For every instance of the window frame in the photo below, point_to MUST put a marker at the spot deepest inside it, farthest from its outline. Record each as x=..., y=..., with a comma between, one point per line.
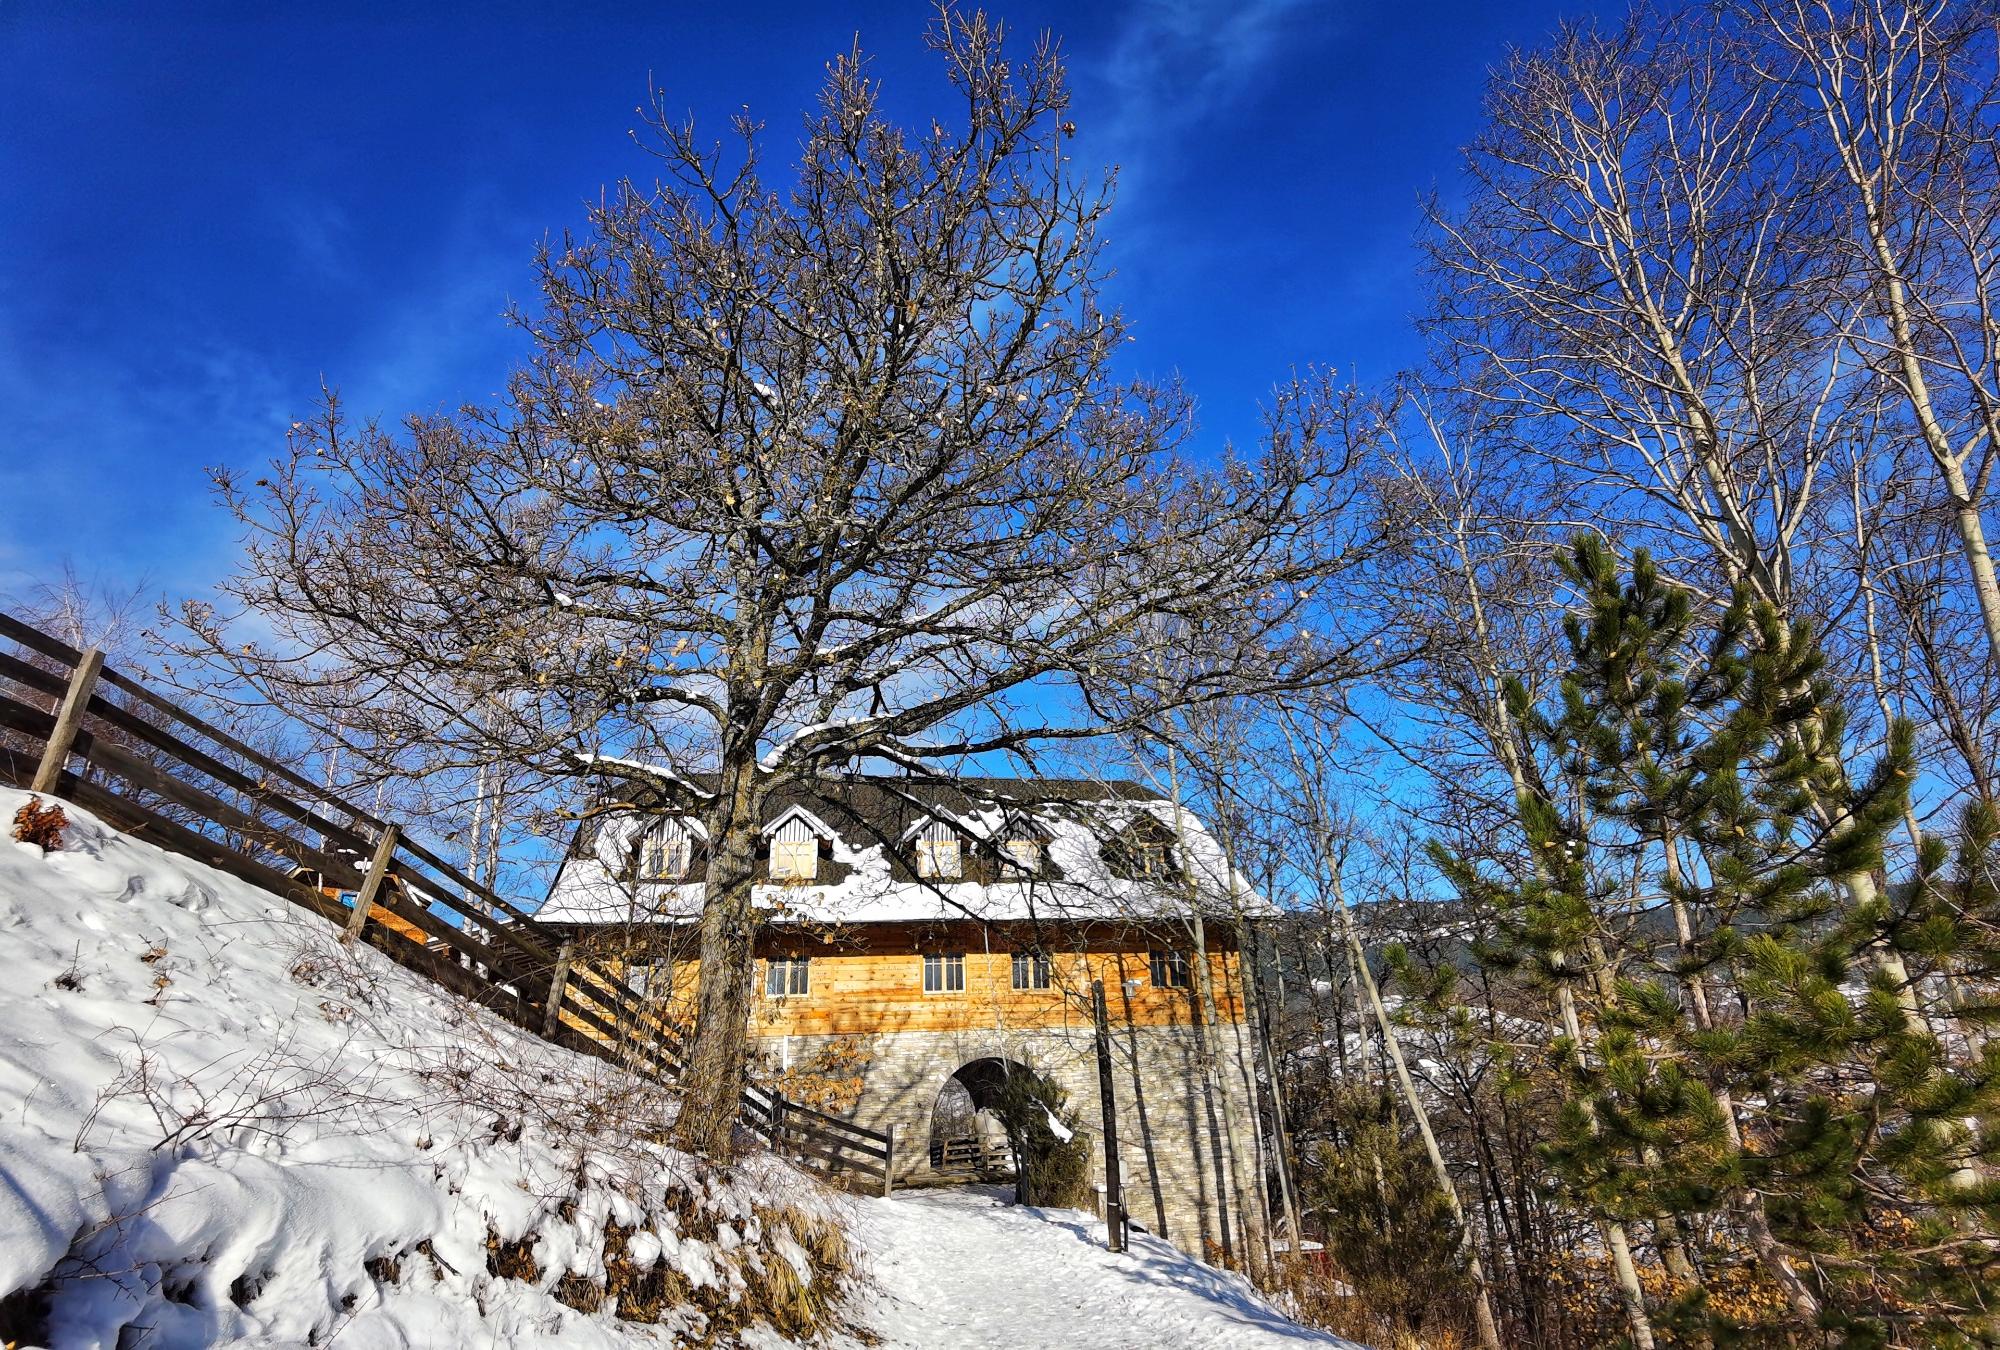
x=1150, y=859
x=948, y=966
x=794, y=973
x=1170, y=968
x=1032, y=971
x=657, y=838
x=1013, y=865
x=931, y=853
x=790, y=847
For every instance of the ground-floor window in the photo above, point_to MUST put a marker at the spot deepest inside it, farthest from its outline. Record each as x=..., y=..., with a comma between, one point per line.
x=787, y=976
x=1170, y=970
x=944, y=972
x=1031, y=970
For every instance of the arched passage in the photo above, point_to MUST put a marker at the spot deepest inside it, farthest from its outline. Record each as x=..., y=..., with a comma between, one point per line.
x=967, y=1135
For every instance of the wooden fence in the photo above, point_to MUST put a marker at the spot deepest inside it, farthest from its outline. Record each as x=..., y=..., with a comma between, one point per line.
x=155, y=770
x=970, y=1155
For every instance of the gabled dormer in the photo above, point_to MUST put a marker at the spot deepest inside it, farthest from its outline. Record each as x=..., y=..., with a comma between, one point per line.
x=797, y=842
x=1022, y=846
x=1144, y=850
x=669, y=849
x=936, y=848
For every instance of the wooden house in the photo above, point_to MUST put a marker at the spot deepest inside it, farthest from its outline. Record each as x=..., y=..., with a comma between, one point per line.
x=923, y=939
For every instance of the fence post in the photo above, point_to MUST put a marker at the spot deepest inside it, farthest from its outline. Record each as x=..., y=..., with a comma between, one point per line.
x=69, y=720
x=378, y=871
x=777, y=1123
x=889, y=1167
x=552, y=1015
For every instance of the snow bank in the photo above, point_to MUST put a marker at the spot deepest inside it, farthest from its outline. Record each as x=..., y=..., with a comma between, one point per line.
x=220, y=1124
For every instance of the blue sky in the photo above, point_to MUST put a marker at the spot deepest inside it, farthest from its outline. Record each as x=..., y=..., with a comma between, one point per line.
x=211, y=208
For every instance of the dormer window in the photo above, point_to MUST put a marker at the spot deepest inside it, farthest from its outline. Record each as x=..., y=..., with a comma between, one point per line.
x=938, y=852
x=1144, y=852
x=795, y=839
x=795, y=861
x=1021, y=857
x=1022, y=844
x=666, y=851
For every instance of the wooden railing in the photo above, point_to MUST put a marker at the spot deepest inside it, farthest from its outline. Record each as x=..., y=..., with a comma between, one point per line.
x=971, y=1154
x=154, y=769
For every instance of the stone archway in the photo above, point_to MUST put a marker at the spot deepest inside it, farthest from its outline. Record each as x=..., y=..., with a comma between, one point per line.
x=967, y=1138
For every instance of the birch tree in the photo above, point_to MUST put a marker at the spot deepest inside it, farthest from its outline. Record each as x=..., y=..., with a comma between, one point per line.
x=1896, y=105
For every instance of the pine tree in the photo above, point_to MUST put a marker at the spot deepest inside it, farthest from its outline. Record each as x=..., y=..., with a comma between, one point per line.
x=1766, y=1064
x=1387, y=1225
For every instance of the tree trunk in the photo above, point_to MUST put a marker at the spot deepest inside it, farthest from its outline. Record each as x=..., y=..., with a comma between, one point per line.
x=1482, y=1305
x=1748, y=1203
x=713, y=1080
x=1616, y=1241
x=1228, y=1181
x=1215, y=1089
x=1893, y=289
x=1257, y=1013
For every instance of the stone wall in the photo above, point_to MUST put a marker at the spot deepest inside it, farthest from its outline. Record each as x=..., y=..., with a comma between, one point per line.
x=1185, y=1166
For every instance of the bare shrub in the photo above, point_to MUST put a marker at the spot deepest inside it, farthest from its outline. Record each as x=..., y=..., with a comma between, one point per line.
x=830, y=1078
x=268, y=1093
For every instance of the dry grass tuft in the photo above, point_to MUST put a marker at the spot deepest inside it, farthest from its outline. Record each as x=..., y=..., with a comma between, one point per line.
x=802, y=1303
x=791, y=1272
x=512, y=1260
x=40, y=825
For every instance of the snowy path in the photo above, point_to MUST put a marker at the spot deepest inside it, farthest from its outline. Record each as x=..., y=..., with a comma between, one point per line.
x=964, y=1269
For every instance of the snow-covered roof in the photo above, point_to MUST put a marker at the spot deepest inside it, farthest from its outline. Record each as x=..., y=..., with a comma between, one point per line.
x=868, y=877
x=799, y=813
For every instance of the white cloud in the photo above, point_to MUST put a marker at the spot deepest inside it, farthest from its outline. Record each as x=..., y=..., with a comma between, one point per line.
x=1175, y=63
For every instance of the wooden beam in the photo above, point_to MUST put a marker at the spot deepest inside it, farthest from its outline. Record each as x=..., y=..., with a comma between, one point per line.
x=889, y=1167
x=378, y=869
x=68, y=721
x=552, y=1014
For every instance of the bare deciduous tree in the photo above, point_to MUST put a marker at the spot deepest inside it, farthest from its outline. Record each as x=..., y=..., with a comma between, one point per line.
x=801, y=471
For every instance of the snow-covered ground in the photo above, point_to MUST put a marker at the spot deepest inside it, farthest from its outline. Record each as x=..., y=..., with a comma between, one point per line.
x=218, y=1125
x=964, y=1268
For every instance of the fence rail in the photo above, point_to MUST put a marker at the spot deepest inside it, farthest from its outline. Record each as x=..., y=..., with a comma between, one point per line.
x=154, y=769
x=970, y=1155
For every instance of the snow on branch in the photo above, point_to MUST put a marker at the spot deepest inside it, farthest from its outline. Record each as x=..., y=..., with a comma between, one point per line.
x=655, y=775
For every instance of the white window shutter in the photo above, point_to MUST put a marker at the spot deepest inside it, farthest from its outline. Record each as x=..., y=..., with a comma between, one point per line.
x=795, y=859
x=938, y=858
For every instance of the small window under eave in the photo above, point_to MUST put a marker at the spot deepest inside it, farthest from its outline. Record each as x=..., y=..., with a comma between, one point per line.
x=939, y=855
x=795, y=845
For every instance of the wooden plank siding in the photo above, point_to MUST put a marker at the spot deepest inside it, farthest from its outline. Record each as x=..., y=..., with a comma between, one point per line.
x=869, y=980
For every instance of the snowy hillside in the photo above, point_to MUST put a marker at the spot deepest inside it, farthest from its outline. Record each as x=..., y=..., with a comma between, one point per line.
x=220, y=1125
